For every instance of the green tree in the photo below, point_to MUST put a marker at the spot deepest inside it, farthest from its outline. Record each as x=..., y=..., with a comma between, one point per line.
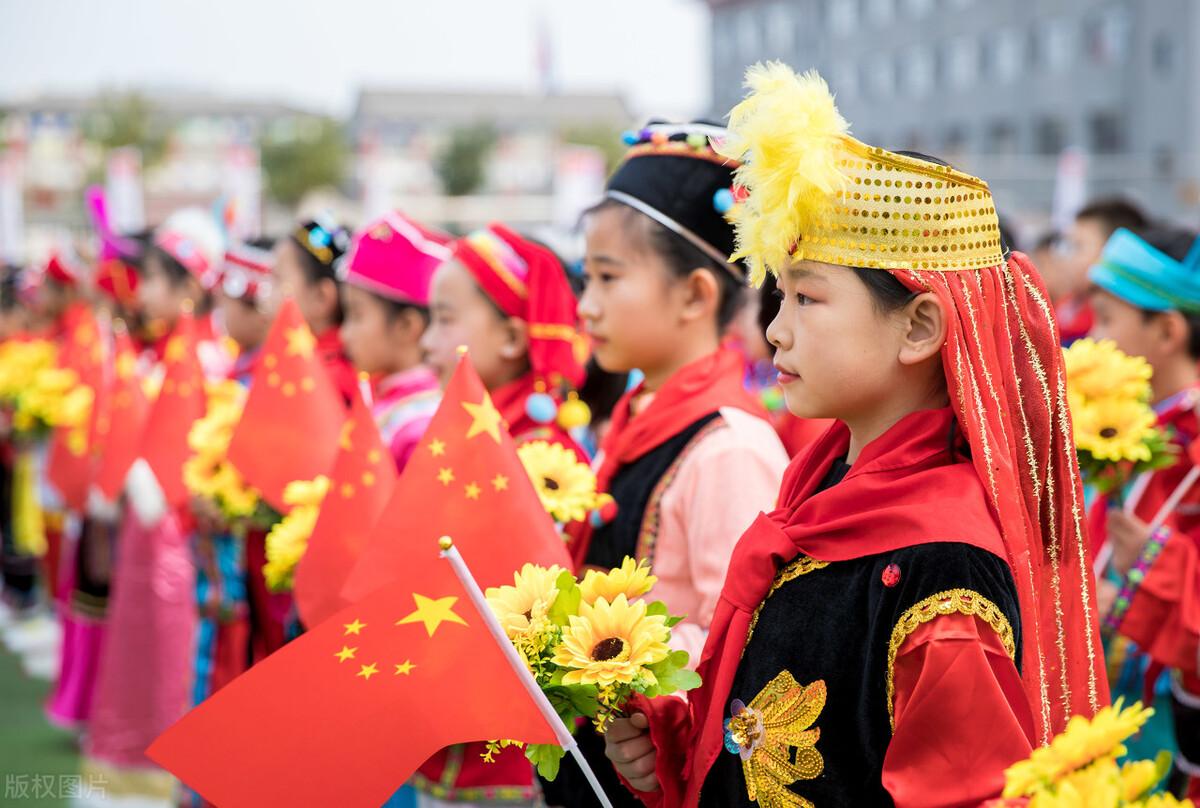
x=604, y=138
x=462, y=162
x=127, y=120
x=300, y=156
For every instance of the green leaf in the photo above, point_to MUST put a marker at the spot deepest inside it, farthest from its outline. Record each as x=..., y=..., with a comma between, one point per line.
x=547, y=757
x=583, y=699
x=659, y=608
x=568, y=599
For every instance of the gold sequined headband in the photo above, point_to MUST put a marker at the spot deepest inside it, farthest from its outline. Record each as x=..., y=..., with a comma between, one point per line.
x=815, y=193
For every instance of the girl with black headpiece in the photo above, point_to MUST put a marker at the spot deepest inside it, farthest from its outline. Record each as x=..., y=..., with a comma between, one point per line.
x=689, y=457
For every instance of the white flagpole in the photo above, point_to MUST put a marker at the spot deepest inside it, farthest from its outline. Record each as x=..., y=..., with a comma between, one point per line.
x=565, y=739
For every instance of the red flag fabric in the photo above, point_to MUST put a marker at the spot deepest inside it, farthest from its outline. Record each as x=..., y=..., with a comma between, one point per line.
x=464, y=479
x=346, y=712
x=361, y=483
x=72, y=463
x=179, y=404
x=292, y=418
x=127, y=412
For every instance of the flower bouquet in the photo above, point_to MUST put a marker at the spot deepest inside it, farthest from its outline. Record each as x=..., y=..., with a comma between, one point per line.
x=1079, y=767
x=41, y=396
x=288, y=539
x=209, y=474
x=1116, y=436
x=591, y=644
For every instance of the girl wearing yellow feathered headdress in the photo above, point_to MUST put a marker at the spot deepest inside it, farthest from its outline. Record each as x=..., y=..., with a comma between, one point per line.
x=917, y=613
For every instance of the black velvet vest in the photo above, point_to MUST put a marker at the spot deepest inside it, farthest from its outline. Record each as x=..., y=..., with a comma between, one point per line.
x=834, y=624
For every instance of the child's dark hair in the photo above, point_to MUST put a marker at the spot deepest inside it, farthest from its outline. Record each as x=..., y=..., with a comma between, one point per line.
x=316, y=271
x=1113, y=212
x=394, y=309
x=177, y=273
x=1175, y=242
x=682, y=257
x=9, y=279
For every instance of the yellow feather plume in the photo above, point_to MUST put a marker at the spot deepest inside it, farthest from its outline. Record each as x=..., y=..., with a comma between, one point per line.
x=786, y=134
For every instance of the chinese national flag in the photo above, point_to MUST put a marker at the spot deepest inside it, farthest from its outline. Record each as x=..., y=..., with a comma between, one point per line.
x=127, y=412
x=360, y=484
x=292, y=418
x=465, y=466
x=70, y=467
x=180, y=403
x=346, y=712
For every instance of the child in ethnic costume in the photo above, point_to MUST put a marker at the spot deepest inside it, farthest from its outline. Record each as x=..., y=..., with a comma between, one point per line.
x=386, y=302
x=507, y=300
x=1147, y=299
x=690, y=457
x=145, y=667
x=882, y=636
x=305, y=269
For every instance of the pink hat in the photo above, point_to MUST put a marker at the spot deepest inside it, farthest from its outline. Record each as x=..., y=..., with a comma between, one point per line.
x=394, y=257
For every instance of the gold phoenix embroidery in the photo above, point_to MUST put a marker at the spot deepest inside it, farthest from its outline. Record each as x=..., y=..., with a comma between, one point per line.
x=952, y=601
x=788, y=713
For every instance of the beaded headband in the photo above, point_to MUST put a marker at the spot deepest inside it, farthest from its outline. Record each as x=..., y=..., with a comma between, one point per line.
x=815, y=193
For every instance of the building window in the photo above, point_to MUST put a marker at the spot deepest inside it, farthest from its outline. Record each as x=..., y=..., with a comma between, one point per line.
x=964, y=61
x=747, y=34
x=1106, y=37
x=1162, y=53
x=955, y=140
x=880, y=11
x=1001, y=138
x=845, y=79
x=918, y=73
x=918, y=8
x=843, y=16
x=1060, y=44
x=1008, y=55
x=883, y=82
x=1106, y=132
x=1049, y=135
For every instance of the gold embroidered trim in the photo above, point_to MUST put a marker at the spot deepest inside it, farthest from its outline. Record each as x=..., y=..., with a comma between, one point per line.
x=952, y=601
x=802, y=565
x=787, y=712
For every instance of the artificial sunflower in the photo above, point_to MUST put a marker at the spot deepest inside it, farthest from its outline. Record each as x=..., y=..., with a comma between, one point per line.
x=566, y=487
x=288, y=539
x=1099, y=370
x=1115, y=430
x=632, y=579
x=522, y=607
x=1082, y=743
x=608, y=644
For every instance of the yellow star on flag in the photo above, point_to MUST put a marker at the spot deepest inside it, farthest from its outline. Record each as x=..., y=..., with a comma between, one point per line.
x=445, y=476
x=355, y=627
x=300, y=341
x=345, y=653
x=432, y=613
x=484, y=418
x=344, y=439
x=404, y=668
x=367, y=671
x=437, y=447
x=500, y=482
x=126, y=365
x=472, y=491
x=176, y=349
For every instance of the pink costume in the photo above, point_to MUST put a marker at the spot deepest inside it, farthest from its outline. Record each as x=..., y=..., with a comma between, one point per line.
x=404, y=403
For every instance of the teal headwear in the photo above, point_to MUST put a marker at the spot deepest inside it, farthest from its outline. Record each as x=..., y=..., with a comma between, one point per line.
x=1146, y=277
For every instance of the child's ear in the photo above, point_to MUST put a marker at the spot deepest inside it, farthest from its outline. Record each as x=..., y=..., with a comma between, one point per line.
x=410, y=325
x=924, y=329
x=1173, y=332
x=516, y=338
x=702, y=293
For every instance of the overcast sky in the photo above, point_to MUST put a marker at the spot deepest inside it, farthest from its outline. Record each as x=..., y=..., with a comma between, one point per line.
x=318, y=52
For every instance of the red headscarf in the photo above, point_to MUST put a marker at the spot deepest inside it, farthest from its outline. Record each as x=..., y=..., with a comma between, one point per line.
x=1004, y=373
x=526, y=280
